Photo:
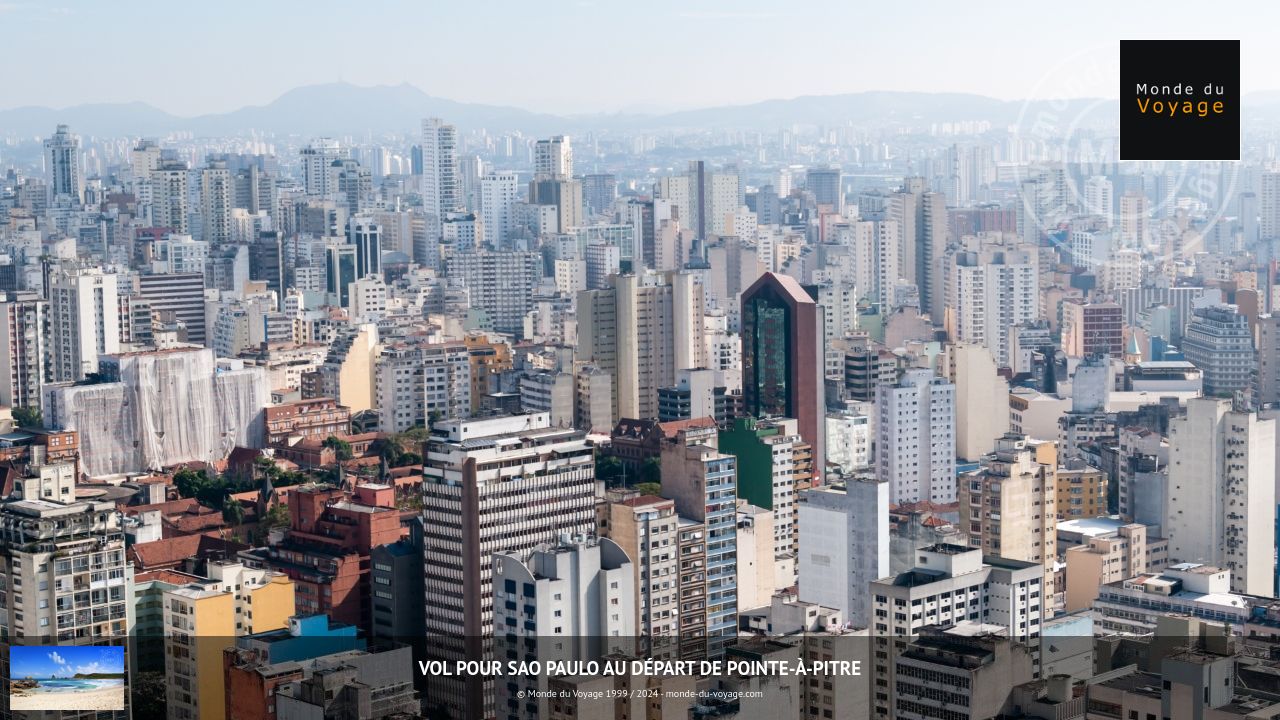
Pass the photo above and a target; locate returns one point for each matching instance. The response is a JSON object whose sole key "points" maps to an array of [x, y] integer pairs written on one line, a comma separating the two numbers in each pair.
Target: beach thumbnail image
{"points": [[52, 677]]}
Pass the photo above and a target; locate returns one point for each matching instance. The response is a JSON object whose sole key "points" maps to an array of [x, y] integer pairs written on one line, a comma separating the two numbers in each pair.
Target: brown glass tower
{"points": [[782, 358]]}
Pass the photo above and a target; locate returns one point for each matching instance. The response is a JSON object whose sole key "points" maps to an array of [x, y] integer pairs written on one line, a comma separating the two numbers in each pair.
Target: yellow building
{"points": [[1082, 493], [1008, 505], [202, 618]]}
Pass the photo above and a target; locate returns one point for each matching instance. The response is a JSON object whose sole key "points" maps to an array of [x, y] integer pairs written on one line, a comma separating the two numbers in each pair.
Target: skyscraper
{"points": [[84, 321], [500, 484], [366, 236], [824, 183], [24, 318], [642, 330], [553, 158], [916, 450], [782, 357], [439, 173], [498, 195], [1221, 506], [1219, 342], [844, 545], [62, 160], [217, 196], [922, 230]]}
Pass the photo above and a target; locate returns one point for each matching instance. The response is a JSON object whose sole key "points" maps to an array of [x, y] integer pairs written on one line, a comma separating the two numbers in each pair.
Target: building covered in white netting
{"points": [[158, 408]]}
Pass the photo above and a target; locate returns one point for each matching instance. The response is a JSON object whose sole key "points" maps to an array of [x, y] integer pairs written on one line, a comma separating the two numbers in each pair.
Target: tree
{"points": [[341, 448], [30, 417], [651, 471], [648, 488], [277, 516], [233, 512], [147, 694], [609, 469]]}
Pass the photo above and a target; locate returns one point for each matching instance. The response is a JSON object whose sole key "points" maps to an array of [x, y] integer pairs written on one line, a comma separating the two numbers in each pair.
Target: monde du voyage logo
{"points": [[1179, 99]]}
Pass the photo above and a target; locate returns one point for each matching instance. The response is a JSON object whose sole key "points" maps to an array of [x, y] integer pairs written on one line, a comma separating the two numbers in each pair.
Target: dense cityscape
{"points": [[975, 417]]}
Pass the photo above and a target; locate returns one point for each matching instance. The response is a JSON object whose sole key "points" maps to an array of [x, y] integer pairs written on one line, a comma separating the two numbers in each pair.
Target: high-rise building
{"points": [[1092, 328], [53, 547], [553, 158], [499, 283], [1269, 207], [417, 384], [844, 544], [782, 357], [440, 192], [340, 273], [84, 321], [599, 191], [170, 204], [177, 297], [916, 448], [921, 219], [580, 592], [948, 585], [1218, 340], [1221, 506], [702, 482], [24, 341], [646, 527], [1099, 198], [317, 160], [499, 193], [642, 330], [773, 461], [1266, 388], [217, 197], [1130, 550], [200, 617], [500, 484], [366, 236], [993, 287], [1008, 506], [824, 184], [982, 406], [62, 162]]}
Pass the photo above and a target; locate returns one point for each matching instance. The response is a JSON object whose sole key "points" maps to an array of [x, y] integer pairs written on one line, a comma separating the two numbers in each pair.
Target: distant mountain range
{"points": [[345, 109]]}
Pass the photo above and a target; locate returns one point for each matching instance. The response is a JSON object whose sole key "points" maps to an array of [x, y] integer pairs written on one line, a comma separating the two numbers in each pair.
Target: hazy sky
{"points": [[575, 56]]}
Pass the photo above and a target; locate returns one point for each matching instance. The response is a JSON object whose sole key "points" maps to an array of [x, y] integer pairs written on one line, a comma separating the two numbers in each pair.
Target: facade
{"points": [[642, 331], [783, 356], [992, 289], [313, 418], [844, 545], [84, 321], [771, 469], [982, 410], [703, 483], [916, 438], [479, 478], [415, 384], [177, 297], [54, 547], [1092, 328], [1114, 557], [24, 349], [1219, 342], [499, 284], [62, 161], [951, 584], [849, 438], [1008, 507], [1221, 505], [200, 618], [574, 600]]}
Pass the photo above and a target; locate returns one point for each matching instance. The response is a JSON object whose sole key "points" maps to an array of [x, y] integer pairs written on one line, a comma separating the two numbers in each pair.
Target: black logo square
{"points": [[1179, 99]]}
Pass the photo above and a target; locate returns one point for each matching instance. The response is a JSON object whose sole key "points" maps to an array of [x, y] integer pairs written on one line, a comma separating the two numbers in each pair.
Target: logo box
{"points": [[1179, 99]]}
